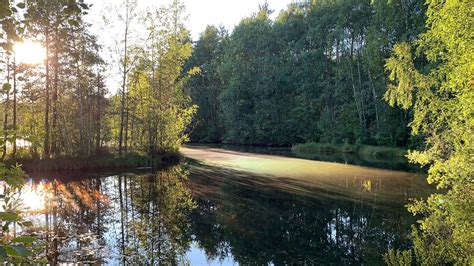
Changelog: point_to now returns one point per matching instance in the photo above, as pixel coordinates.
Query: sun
(33, 197)
(29, 52)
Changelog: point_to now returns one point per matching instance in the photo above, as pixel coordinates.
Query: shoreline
(96, 163)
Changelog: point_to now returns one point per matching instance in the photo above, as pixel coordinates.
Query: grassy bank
(380, 152)
(95, 163)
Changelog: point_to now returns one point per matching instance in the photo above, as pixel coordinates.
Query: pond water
(226, 208)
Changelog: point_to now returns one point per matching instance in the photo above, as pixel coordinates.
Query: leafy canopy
(434, 76)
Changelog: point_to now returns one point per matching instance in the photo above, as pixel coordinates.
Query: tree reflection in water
(156, 218)
(258, 225)
(153, 218)
(71, 219)
(128, 219)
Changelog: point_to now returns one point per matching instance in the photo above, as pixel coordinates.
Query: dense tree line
(315, 73)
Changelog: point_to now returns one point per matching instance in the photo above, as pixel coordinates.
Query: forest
(394, 75)
(315, 74)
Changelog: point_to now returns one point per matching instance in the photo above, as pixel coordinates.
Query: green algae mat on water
(346, 180)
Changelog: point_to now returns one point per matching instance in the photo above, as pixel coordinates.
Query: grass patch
(313, 147)
(96, 163)
(380, 152)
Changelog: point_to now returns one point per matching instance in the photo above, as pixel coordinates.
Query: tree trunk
(14, 106)
(98, 137)
(125, 139)
(122, 221)
(124, 80)
(364, 120)
(374, 96)
(54, 133)
(46, 147)
(80, 94)
(7, 106)
(356, 99)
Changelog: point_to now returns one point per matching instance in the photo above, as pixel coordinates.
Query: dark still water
(200, 214)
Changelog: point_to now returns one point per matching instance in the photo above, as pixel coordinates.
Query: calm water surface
(203, 213)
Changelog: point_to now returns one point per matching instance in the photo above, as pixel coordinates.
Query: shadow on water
(228, 216)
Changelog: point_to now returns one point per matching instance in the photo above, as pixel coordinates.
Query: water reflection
(271, 225)
(162, 217)
(128, 219)
(70, 217)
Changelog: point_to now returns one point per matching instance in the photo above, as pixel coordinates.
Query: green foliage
(162, 203)
(436, 83)
(398, 258)
(10, 24)
(161, 109)
(18, 249)
(46, 105)
(367, 151)
(382, 152)
(349, 148)
(313, 147)
(315, 74)
(205, 86)
(21, 248)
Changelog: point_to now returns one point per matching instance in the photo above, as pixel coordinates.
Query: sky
(201, 12)
(223, 12)
(227, 13)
